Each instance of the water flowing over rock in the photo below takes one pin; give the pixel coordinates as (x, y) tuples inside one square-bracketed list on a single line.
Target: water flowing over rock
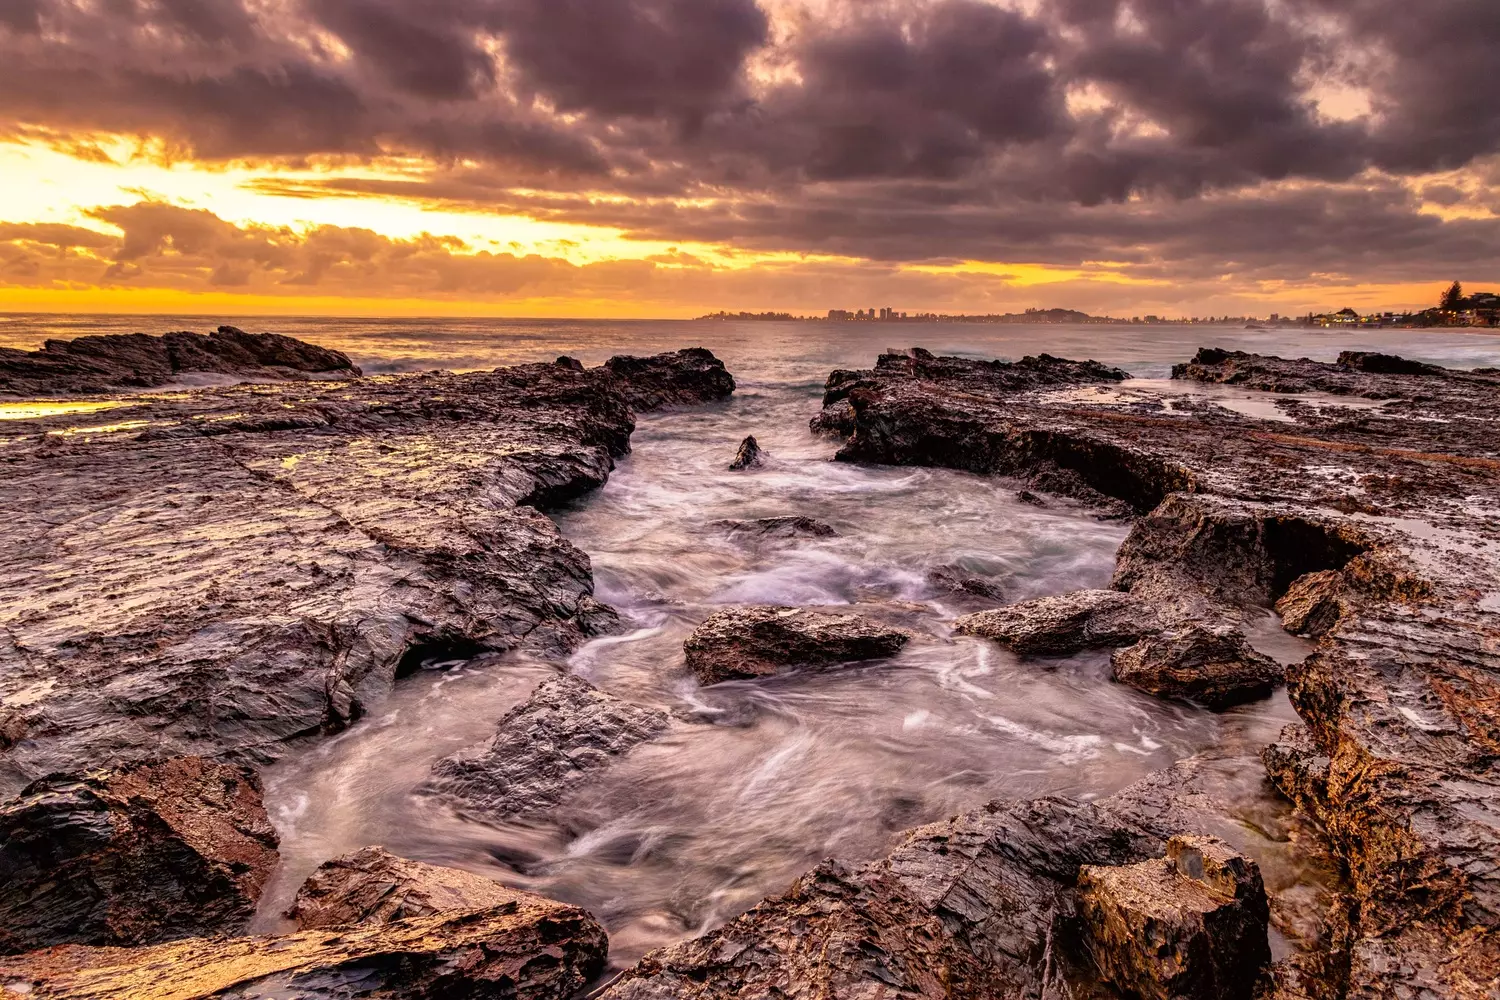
[(1215, 667), (132, 856), (743, 643), (956, 580), (790, 526), (542, 749), (1391, 506), (139, 360), (223, 570), (374, 886), (1084, 619), (749, 456), (1190, 926)]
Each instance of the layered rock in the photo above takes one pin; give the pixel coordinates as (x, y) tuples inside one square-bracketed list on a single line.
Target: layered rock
[(138, 360), (1215, 667), (223, 570), (1192, 925), (133, 856), (374, 886), (529, 949), (543, 749), (744, 643), (1376, 517), (1084, 619)]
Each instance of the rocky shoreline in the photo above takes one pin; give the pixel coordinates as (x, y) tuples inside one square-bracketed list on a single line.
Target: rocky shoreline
[(218, 572)]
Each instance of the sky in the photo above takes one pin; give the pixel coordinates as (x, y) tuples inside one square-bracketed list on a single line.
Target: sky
[(664, 158)]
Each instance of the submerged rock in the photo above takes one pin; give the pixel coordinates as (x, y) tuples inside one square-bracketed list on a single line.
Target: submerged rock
[(956, 580), (542, 750), (1084, 619), (749, 456), (133, 856), (791, 526), (139, 360), (1190, 926), (374, 886), (1215, 667), (742, 643), (529, 949)]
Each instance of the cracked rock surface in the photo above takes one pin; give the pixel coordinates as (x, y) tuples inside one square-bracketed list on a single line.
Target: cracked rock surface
[(744, 643)]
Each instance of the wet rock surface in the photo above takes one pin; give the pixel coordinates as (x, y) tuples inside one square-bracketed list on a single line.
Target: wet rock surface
[(789, 526), (375, 886), (530, 949), (1084, 619), (139, 360), (749, 456), (1215, 667), (956, 580), (542, 749), (222, 570), (133, 856), (1390, 505), (1192, 925), (744, 643)]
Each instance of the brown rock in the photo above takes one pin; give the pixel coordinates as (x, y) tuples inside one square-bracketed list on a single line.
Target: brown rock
[(1311, 604), (1190, 926), (1215, 667), (786, 526), (748, 457), (374, 886), (760, 641), (1084, 619), (138, 855)]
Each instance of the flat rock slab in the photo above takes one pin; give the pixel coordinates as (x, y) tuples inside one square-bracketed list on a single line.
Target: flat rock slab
[(1190, 926), (527, 950), (222, 570), (1068, 623), (543, 749), (787, 526), (133, 856), (138, 360), (1215, 667), (744, 643), (374, 886)]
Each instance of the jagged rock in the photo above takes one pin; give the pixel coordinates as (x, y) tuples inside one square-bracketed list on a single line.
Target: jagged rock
[(1298, 768), (236, 567), (529, 949), (791, 526), (133, 856), (1310, 605), (1190, 926), (688, 377), (1084, 619), (1215, 667), (749, 456), (759, 641), (138, 360), (1386, 364), (542, 749), (837, 419), (374, 886), (1356, 373), (956, 580)]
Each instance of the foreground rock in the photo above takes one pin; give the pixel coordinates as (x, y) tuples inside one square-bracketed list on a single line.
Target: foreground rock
[(542, 750), (957, 580), (529, 949), (1084, 619), (1370, 528), (1192, 925), (689, 377), (133, 856), (138, 360), (1215, 667), (789, 526), (224, 570), (375, 886), (744, 643)]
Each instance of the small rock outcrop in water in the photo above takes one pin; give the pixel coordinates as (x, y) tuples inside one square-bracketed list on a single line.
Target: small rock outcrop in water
[(374, 886), (748, 457), (230, 568), (790, 526), (1084, 619), (139, 855), (139, 360), (742, 643), (1213, 666), (956, 580), (1190, 926), (543, 749), (528, 949)]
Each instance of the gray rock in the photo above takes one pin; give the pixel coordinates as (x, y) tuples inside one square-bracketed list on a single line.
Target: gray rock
[(749, 456), (543, 749), (1084, 619), (790, 526), (957, 580), (742, 643), (1215, 667)]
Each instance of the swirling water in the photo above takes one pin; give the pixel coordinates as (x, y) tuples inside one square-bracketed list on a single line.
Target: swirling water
[(760, 780)]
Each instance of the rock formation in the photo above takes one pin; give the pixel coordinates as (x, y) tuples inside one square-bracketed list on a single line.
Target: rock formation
[(1215, 667), (223, 570), (1084, 619), (1238, 515), (742, 643), (789, 526), (133, 856), (542, 749), (956, 580), (749, 456), (138, 360)]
